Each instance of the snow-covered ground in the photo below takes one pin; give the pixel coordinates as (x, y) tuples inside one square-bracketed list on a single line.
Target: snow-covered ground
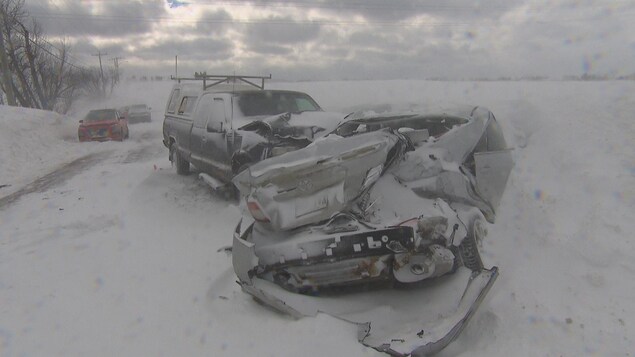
[(120, 259)]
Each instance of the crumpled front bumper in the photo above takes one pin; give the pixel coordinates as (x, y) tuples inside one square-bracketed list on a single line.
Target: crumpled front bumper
[(414, 322)]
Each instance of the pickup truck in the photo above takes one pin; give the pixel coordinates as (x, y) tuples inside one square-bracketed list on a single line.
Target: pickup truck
[(225, 127)]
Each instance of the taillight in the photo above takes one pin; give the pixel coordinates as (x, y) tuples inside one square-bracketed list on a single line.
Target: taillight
[(256, 211)]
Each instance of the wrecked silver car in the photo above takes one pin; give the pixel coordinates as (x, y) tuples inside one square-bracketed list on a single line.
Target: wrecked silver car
[(395, 200)]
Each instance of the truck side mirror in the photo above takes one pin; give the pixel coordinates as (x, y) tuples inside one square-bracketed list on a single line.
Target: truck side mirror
[(81, 121)]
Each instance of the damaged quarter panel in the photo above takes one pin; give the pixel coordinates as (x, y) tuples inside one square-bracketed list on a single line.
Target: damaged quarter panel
[(310, 184)]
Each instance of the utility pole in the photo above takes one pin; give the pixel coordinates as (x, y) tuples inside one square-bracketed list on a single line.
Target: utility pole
[(116, 63), (101, 69)]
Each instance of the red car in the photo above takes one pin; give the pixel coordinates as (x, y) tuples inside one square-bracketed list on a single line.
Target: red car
[(103, 125)]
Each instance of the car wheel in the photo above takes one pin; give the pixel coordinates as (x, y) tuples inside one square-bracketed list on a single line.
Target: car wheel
[(182, 165)]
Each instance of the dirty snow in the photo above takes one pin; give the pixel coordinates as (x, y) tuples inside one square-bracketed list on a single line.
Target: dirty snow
[(121, 259)]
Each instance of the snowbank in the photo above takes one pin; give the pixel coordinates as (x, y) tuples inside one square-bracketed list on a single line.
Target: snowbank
[(121, 260), (33, 142)]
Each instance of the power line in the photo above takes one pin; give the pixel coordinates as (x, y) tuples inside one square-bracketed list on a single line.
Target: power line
[(43, 48), (67, 54)]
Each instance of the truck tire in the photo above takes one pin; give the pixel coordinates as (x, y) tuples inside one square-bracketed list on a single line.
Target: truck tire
[(240, 162), (182, 165)]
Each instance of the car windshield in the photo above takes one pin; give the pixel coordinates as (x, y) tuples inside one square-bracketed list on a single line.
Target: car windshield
[(99, 115), (273, 102), (137, 108)]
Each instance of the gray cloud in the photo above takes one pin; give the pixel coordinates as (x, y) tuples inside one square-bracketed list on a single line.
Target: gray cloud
[(280, 30), (400, 10), (214, 22), (73, 17), (327, 39), (198, 49)]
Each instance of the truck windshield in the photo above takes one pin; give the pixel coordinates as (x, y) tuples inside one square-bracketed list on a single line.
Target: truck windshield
[(273, 102)]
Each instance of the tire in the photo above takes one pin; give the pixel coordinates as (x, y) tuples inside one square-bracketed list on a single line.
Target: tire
[(182, 165), (241, 162)]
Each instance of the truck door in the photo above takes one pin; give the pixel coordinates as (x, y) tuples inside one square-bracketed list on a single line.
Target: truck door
[(197, 136), (215, 140)]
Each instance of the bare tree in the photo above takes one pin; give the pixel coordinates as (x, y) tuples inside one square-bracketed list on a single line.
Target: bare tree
[(9, 11), (36, 73)]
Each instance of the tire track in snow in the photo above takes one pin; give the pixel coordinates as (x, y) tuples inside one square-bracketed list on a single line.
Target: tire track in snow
[(143, 153), (56, 177)]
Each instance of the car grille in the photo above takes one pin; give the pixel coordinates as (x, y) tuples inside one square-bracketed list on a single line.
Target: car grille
[(98, 132)]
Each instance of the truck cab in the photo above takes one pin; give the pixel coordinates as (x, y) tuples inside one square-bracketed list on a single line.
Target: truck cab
[(226, 126)]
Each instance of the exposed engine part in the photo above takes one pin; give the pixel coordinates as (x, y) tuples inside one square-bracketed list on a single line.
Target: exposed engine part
[(435, 261), (328, 274), (340, 223), (432, 227)]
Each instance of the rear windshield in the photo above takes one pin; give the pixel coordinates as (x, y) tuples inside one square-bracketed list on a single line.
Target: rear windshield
[(272, 103), (98, 115)]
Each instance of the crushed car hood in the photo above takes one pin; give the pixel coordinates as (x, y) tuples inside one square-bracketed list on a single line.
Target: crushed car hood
[(311, 184), (305, 125), (383, 198)]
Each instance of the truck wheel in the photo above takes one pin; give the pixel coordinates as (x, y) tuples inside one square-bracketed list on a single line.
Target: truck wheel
[(182, 165), (241, 162)]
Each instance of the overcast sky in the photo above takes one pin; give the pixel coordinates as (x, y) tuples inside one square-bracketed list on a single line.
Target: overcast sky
[(356, 39)]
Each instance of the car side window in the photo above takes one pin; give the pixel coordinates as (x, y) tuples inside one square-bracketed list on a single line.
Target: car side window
[(173, 100)]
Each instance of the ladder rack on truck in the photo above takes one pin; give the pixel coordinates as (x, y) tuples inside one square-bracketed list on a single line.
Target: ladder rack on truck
[(224, 78)]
